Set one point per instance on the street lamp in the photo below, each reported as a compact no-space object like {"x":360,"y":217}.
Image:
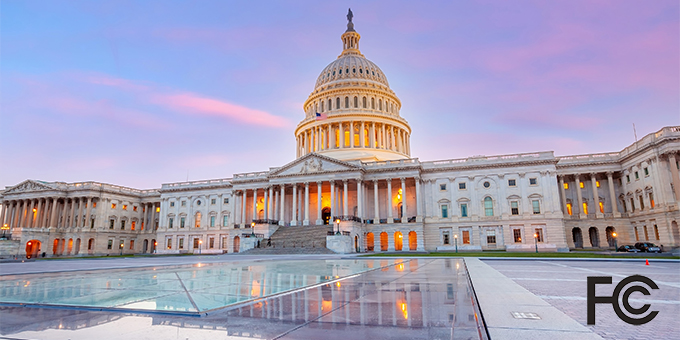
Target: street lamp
{"x":155,"y":244}
{"x":536,"y":241}
{"x":200,"y":242}
{"x":4,"y":227}
{"x":252,"y":225}
{"x":455,"y":239}
{"x":337,"y":222}
{"x":615,"y":243}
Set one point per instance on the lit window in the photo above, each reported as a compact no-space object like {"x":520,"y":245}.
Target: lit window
{"x":213,"y":201}
{"x":646,"y":171}
{"x":124,"y":206}
{"x":113,"y":205}
{"x":488,"y":206}
{"x":601,"y":207}
{"x":132,"y":244}
{"x":517,"y":235}
{"x":533,"y":181}
{"x":569,"y":208}
{"x":198,"y":219}
{"x":442,"y":187}
{"x":158,"y":209}
{"x":94,"y":204}
{"x":566,"y":186}
{"x":170,"y":222}
{"x":651,"y":200}
{"x":133,"y":225}
{"x":134,"y":208}
{"x":168,"y":243}
{"x":514,"y":208}
{"x":536,"y":205}
{"x":580,"y":184}
{"x":466,"y":237}
{"x":461,"y":186}
{"x":445,"y":211}
{"x":597,"y":184}
{"x":585,"y":208}
{"x":539,"y":234}
{"x":512,"y":182}
{"x":463,"y":210}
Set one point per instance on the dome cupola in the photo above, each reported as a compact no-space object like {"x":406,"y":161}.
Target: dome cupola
{"x":352,"y":114}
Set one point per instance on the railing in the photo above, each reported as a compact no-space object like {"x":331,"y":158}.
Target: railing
{"x":345,"y":233}
{"x":266,"y":221}
{"x":490,"y":159}
{"x":198,"y":183}
{"x":410,"y":161}
{"x":383,"y":221}
{"x":251,"y":175}
{"x":237,"y":226}
{"x":6,"y":237}
{"x":347,"y":218}
{"x":248,"y":235}
{"x":397,"y":220}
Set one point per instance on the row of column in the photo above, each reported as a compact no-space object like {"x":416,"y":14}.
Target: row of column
{"x":45,"y":212}
{"x":380,"y":136}
{"x":274,"y":201}
{"x":596,"y":196}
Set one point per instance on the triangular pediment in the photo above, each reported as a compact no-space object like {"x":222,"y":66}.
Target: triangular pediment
{"x":28,"y":185}
{"x":313,"y":163}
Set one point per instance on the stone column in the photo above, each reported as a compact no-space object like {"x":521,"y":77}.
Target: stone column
{"x":20,"y":216}
{"x":419,"y":203}
{"x":12,"y":213}
{"x":580,"y":196}
{"x":319,"y":218}
{"x":64,"y":223}
{"x":351,"y":134}
{"x":31,"y":215}
{"x":371,"y":138}
{"x":376,"y":203}
{"x":79,"y":223}
{"x":403,"y":201}
{"x":87,"y":212}
{"x":53,"y":214}
{"x":38,"y":216}
{"x":390,"y":219}
{"x":265,"y":213}
{"x":612,"y":194}
{"x":564,"y":196}
{"x":342,"y":135}
{"x":282,"y":205}
{"x":333,"y":202}
{"x":254,"y":204}
{"x":2,"y":213}
{"x":244,"y":211}
{"x":293,"y":217}
{"x":71,"y":220}
{"x":674,"y":174}
{"x":270,"y":210}
{"x":306,"y":220}
{"x":362,"y":136}
{"x":360,"y":200}
{"x":382,"y":137}
{"x":344,"y":198}
{"x":596,"y":196}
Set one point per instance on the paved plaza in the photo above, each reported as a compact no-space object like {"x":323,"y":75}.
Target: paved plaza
{"x":324,"y":296}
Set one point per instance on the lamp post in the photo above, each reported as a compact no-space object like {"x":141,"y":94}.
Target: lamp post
{"x":337,"y":222}
{"x":252,"y":225}
{"x":4,"y":227}
{"x":536,"y":241}
{"x":155,"y":245}
{"x":615,"y":243}
{"x":121,"y":248}
{"x":200,"y":243}
{"x":455,"y":239}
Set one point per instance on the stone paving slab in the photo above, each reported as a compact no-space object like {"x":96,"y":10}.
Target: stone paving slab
{"x":499,"y":297}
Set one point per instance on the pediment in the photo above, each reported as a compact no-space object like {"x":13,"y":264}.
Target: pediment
{"x":313,"y":163}
{"x":28,"y":186}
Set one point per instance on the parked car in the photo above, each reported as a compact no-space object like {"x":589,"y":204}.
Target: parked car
{"x":628,"y":249}
{"x":647,"y":247}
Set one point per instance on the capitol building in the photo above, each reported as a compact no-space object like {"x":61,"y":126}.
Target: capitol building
{"x":355,"y":187}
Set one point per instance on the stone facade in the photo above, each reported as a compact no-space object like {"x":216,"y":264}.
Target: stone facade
{"x":354,"y":168}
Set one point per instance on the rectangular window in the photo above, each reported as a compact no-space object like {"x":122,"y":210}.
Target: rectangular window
{"x":211,"y":243}
{"x":512,"y":182}
{"x":646,"y":171}
{"x":111,"y":223}
{"x":569,"y":208}
{"x":168,"y":243}
{"x":646,"y":233}
{"x":182,"y":220}
{"x":172,"y":204}
{"x":514,"y":208}
{"x":133,"y":225}
{"x":132,"y":244}
{"x":92,"y":223}
{"x":651,"y":199}
{"x":134,"y":208}
{"x":656,"y":232}
{"x":461,"y":186}
{"x":212,"y":221}
{"x":225,"y":220}
{"x":113,"y":205}
{"x":445,"y":211}
{"x":463,"y":210}
{"x":196,"y":241}
{"x":184,"y":203}
{"x":466,"y":237}
{"x":597,"y":184}
{"x":442,"y":187}
{"x":170,"y":222}
{"x":539,"y":234}
{"x":642,"y":203}
{"x":491,"y":237}
{"x":181,"y":243}
{"x":124,"y":206}
{"x":637,"y":236}
{"x":224,"y":242}
{"x":628,"y":178}
{"x":110,"y":245}
{"x":537,"y":206}
{"x":580,"y":184}
{"x":94,"y":204}
{"x":142,"y":226}
{"x":517,"y":235}
{"x":566,"y":186}
{"x":158,"y":209}
{"x":601,"y":207}
{"x":585,"y":208}
{"x":533,"y":181}
{"x":213,"y":201}
{"x":226,"y":201}
{"x":632,"y":205}
{"x":637,"y":176}
{"x":446,"y":237}
{"x":122,"y":225}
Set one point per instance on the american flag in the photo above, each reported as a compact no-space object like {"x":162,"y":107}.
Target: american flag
{"x":321,"y":116}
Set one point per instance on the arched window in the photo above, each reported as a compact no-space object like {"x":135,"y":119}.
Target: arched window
{"x":373,"y":103}
{"x":370,"y":242}
{"x":398,"y":241}
{"x":383,"y":241}
{"x":380,"y":104}
{"x":337,"y":103}
{"x":347,"y":102}
{"x":330,"y":106}
{"x":198,"y":219}
{"x":321,"y":106}
{"x":488,"y":206}
{"x":356,"y":102}
{"x":364,"y":102}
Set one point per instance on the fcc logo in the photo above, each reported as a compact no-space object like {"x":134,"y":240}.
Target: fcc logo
{"x":614,"y":299}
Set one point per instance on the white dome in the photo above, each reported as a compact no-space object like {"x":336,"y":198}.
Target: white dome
{"x":348,"y":67}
